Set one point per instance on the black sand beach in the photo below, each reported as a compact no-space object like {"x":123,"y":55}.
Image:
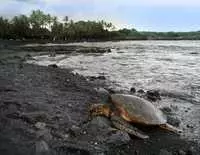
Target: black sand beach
{"x":44,"y":110}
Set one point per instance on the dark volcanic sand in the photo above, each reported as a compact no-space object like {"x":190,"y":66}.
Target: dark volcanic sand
{"x":44,"y":110}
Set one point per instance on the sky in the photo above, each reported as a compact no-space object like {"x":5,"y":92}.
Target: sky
{"x":143,"y":15}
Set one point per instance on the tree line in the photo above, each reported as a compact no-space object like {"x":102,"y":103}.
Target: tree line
{"x":39,"y":25}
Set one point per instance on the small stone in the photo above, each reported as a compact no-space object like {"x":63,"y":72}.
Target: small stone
{"x":100,"y":122}
{"x":166,"y":109}
{"x":66,"y":136}
{"x":189,"y":126}
{"x":44,"y":134}
{"x":42,"y":148}
{"x":118,"y":138}
{"x":53,"y":66}
{"x":74,"y":130}
{"x":173,"y":121}
{"x":40,"y":125}
{"x":132,"y":90}
{"x":181,"y":152}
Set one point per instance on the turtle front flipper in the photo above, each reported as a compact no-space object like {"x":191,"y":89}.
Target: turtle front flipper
{"x":121,"y":124}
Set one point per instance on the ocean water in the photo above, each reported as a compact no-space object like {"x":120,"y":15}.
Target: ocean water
{"x":173,"y":67}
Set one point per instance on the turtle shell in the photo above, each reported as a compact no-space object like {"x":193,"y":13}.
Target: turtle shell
{"x":137,"y":110}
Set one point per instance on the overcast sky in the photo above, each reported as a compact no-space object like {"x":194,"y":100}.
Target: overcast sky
{"x":149,"y":15}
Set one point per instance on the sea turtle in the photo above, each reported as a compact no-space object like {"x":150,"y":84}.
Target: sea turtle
{"x":132,"y":109}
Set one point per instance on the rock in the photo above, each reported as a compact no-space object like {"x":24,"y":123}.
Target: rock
{"x":164,"y":152}
{"x":189,"y":126}
{"x":40,"y":125}
{"x":132,"y":90}
{"x":41,"y":148}
{"x":118,"y":138}
{"x":93,"y":78}
{"x":173,"y":121}
{"x":44,"y":134}
{"x":153,"y":95}
{"x":166,"y":110}
{"x":141,"y":91}
{"x":181,"y":152}
{"x":112,"y":91}
{"x":103,"y":94}
{"x":101,"y":122}
{"x":33,"y":117}
{"x":74,"y":131}
{"x":53,"y":66}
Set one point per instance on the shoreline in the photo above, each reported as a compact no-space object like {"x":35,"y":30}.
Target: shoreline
{"x":45,"y":109}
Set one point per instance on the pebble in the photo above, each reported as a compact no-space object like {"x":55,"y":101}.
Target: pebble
{"x":132,"y":90}
{"x":40,"y":125}
{"x":42,"y":148}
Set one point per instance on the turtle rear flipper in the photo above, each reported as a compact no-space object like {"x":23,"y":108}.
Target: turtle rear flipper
{"x":121,"y":124}
{"x":170,"y":128}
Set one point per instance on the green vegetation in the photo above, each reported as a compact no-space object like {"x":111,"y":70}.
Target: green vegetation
{"x":41,"y":26}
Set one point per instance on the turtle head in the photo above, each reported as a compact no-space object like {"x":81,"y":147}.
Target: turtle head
{"x":100,"y":110}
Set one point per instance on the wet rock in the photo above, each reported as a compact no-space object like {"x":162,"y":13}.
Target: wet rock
{"x":132,"y":90}
{"x":112,"y":91}
{"x":118,"y":138}
{"x":40,"y":125}
{"x":153,"y":95}
{"x":165,"y":152}
{"x":41,"y":148}
{"x":194,"y":53}
{"x":173,"y":121}
{"x":28,"y":57}
{"x":141,"y":91}
{"x":166,"y":110}
{"x":93,"y":78}
{"x":53,"y":66}
{"x":189,"y":126}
